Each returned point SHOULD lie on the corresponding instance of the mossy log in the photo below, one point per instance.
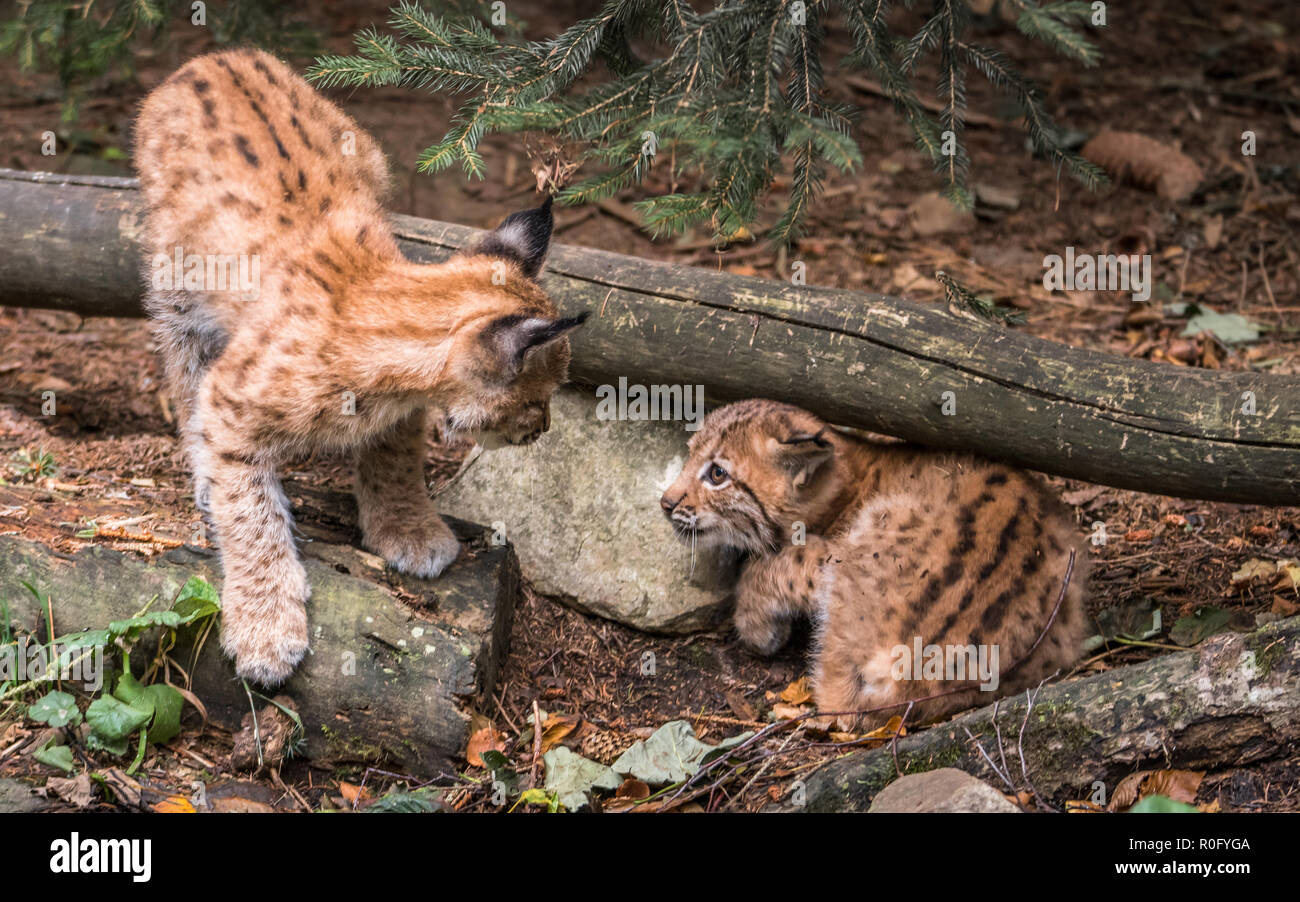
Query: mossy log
(857, 359)
(385, 681)
(1231, 702)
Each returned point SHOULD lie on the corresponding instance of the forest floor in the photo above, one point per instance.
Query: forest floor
(1231, 248)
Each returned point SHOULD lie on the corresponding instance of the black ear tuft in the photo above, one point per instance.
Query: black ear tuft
(803, 454)
(515, 336)
(523, 237)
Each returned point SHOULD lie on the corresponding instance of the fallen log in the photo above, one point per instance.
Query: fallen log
(861, 360)
(395, 664)
(1231, 702)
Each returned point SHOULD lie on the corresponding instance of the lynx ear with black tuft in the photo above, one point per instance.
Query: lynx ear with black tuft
(523, 237)
(803, 454)
(516, 336)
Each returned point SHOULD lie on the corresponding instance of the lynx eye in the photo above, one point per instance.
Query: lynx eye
(715, 475)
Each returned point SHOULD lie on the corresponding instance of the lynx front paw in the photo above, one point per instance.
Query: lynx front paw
(265, 632)
(424, 548)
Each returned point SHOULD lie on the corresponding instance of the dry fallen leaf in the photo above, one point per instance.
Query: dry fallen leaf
(73, 790)
(781, 711)
(353, 794)
(1282, 607)
(174, 805)
(1253, 570)
(1179, 785)
(881, 735)
(556, 727)
(485, 739)
(1082, 806)
(740, 706)
(797, 693)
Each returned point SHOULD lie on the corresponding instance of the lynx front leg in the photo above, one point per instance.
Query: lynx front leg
(265, 591)
(773, 590)
(398, 519)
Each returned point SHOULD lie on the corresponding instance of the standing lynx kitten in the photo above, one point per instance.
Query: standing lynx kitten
(340, 343)
(904, 549)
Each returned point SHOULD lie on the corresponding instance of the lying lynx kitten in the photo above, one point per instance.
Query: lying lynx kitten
(922, 571)
(339, 342)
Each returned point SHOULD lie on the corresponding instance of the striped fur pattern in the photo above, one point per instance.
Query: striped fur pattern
(899, 543)
(343, 344)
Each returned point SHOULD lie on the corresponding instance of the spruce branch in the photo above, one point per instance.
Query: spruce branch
(734, 94)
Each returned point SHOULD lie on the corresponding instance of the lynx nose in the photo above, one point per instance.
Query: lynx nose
(668, 503)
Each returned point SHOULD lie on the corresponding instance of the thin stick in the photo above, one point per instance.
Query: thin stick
(537, 744)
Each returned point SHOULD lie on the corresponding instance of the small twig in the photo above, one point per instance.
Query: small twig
(992, 766)
(537, 744)
(1020, 746)
(766, 764)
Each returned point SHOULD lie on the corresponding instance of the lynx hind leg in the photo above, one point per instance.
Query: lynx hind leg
(398, 519)
(189, 342)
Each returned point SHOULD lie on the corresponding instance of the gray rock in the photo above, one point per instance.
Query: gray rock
(581, 507)
(16, 796)
(946, 789)
(383, 680)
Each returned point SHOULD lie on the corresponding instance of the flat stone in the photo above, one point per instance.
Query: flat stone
(581, 507)
(384, 679)
(946, 789)
(16, 797)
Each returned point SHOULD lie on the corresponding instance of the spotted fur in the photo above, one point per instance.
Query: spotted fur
(898, 543)
(344, 344)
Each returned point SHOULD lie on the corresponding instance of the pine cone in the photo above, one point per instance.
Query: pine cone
(1145, 162)
(605, 746)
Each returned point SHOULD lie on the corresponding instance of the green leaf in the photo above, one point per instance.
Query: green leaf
(57, 756)
(131, 629)
(112, 720)
(1162, 805)
(1229, 328)
(540, 797)
(1137, 618)
(425, 800)
(1205, 622)
(197, 599)
(57, 709)
(670, 755)
(571, 777)
(163, 702)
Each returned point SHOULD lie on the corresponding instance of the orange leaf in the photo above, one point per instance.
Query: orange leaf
(174, 805)
(485, 740)
(353, 794)
(556, 727)
(797, 693)
(881, 735)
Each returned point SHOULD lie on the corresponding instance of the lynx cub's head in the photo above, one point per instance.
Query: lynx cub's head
(507, 364)
(756, 470)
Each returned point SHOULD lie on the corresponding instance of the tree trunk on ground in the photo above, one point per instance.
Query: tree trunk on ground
(859, 360)
(1232, 701)
(385, 680)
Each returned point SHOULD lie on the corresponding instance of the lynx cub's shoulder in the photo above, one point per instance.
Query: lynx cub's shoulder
(288, 321)
(922, 571)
